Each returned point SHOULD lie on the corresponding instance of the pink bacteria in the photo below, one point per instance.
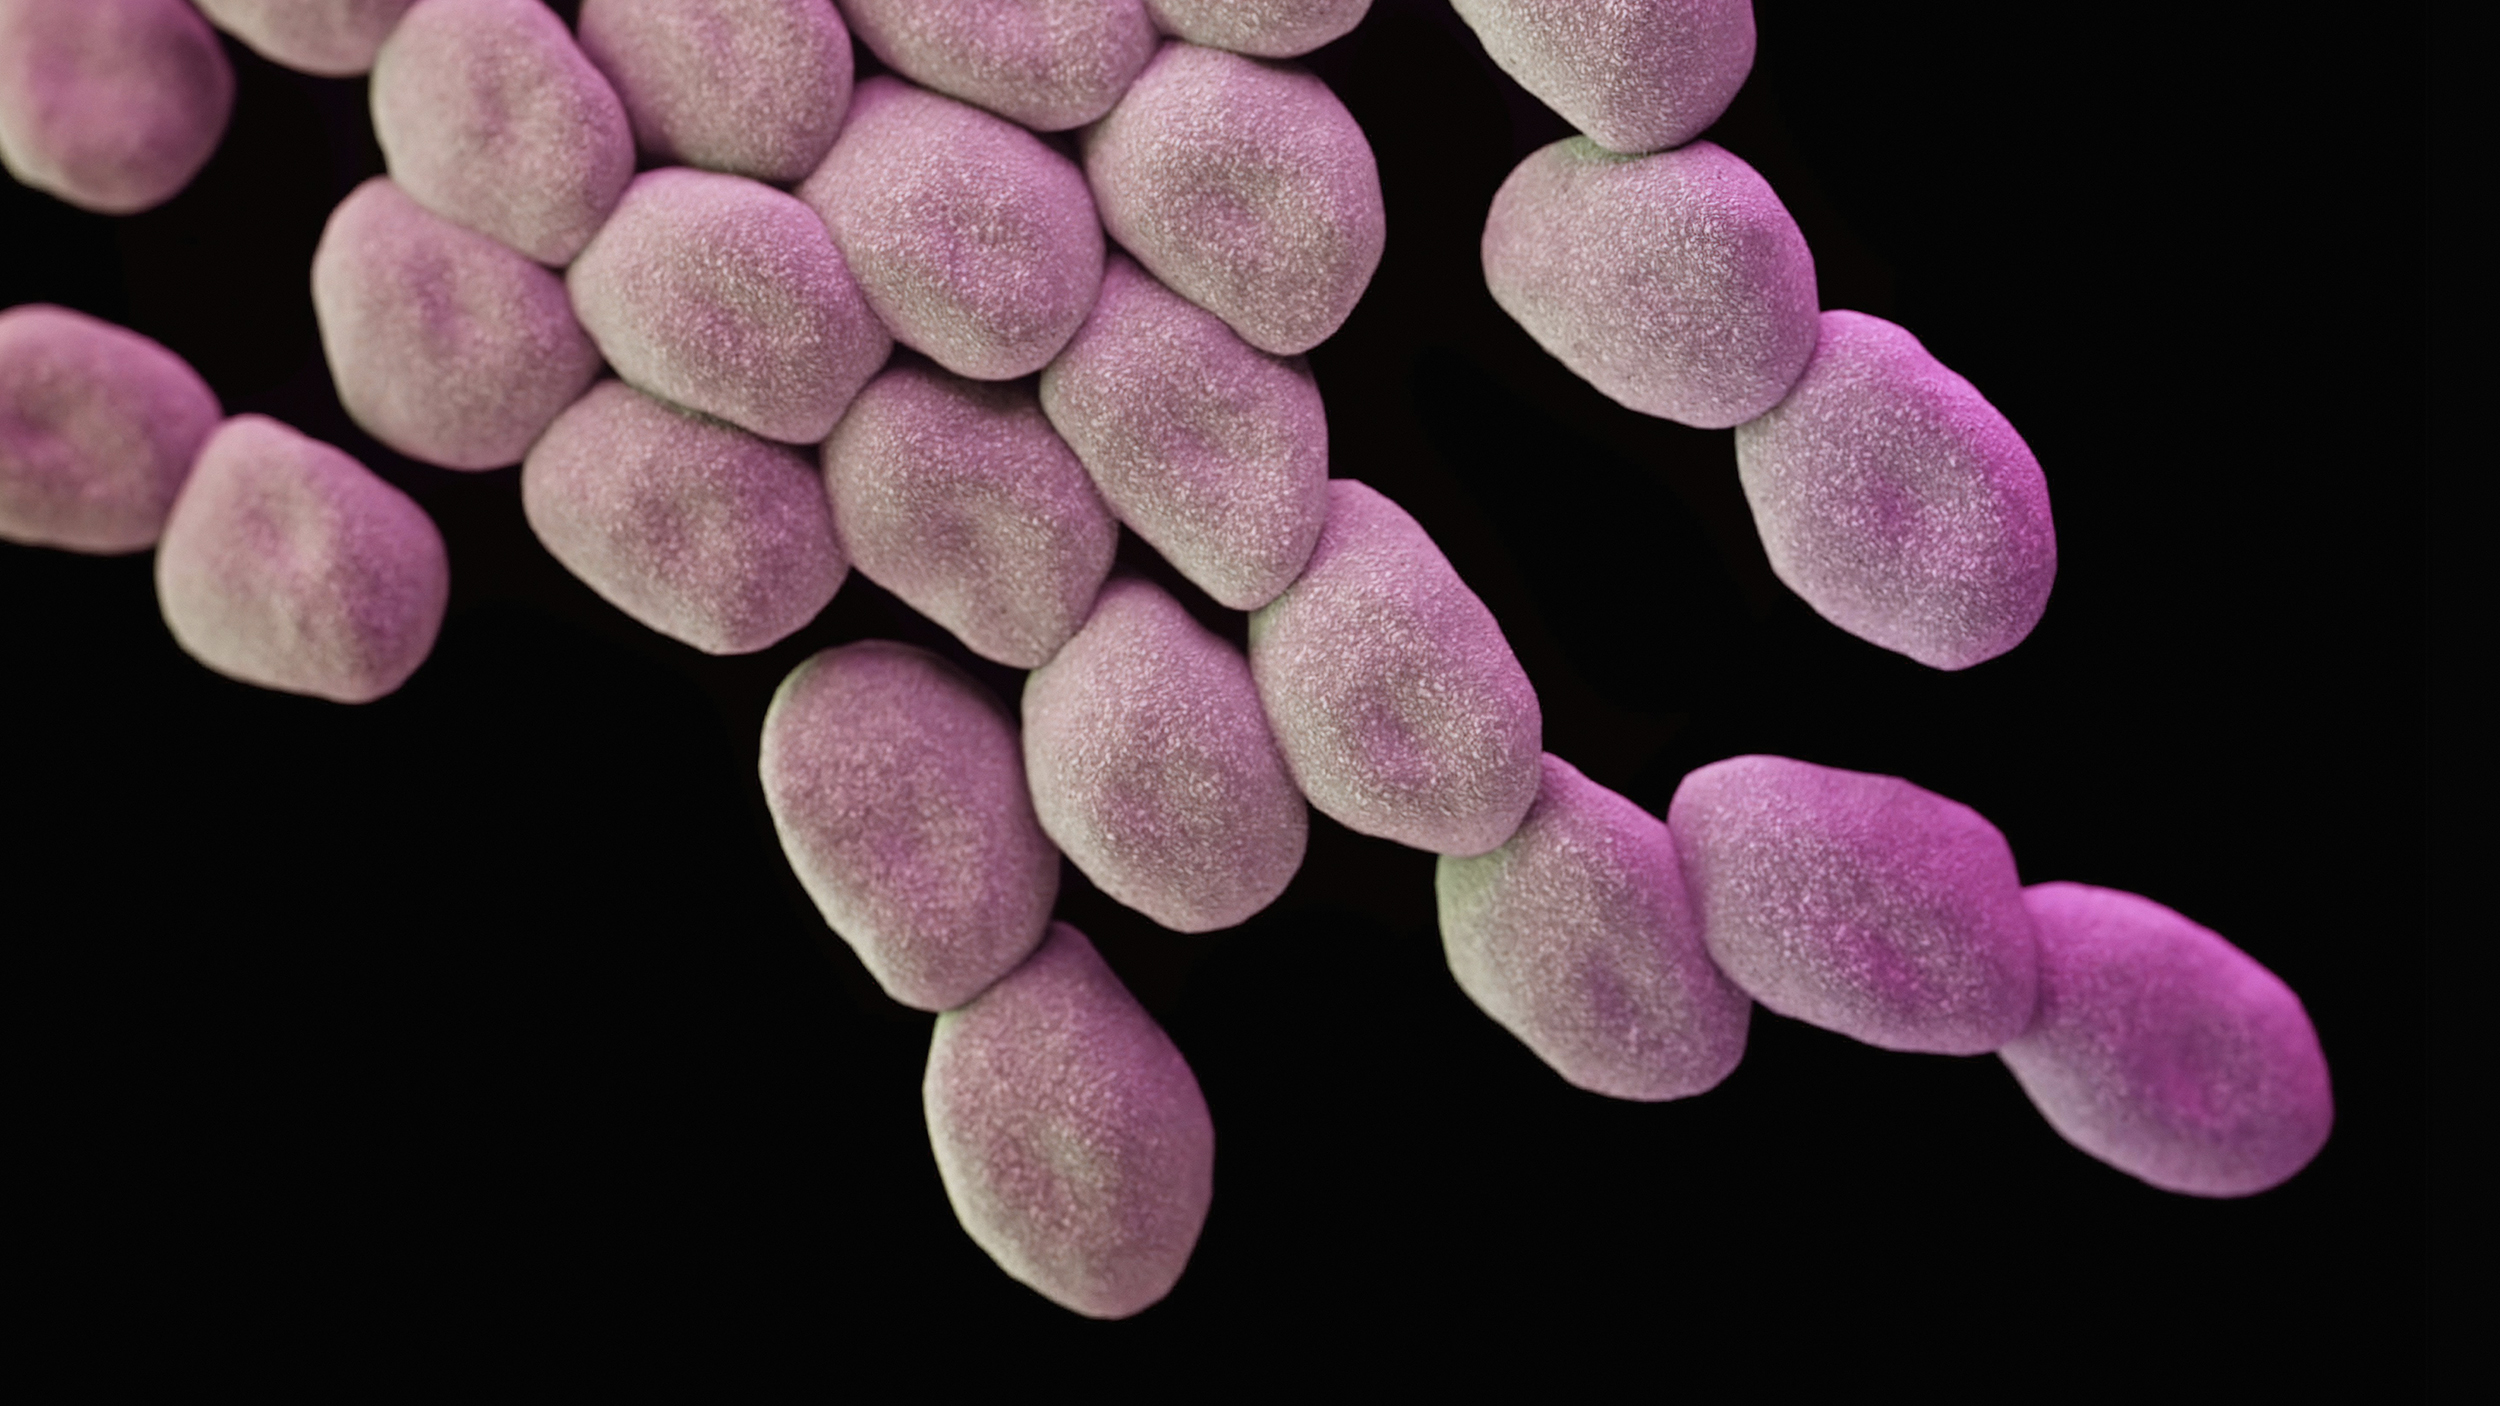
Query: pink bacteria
(1244, 186)
(693, 527)
(445, 345)
(752, 87)
(1576, 935)
(1634, 75)
(2166, 1052)
(896, 787)
(1213, 451)
(1153, 769)
(1397, 703)
(98, 428)
(1675, 283)
(1267, 29)
(111, 105)
(332, 38)
(957, 496)
(1047, 64)
(490, 117)
(727, 296)
(1902, 506)
(1070, 1133)
(1858, 903)
(288, 565)
(976, 243)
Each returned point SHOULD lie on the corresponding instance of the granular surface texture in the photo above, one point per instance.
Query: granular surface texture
(694, 527)
(958, 497)
(1213, 451)
(1858, 903)
(98, 428)
(490, 117)
(332, 38)
(976, 243)
(1577, 937)
(1267, 29)
(897, 789)
(1398, 704)
(2167, 1052)
(753, 87)
(1070, 1134)
(445, 345)
(726, 296)
(1675, 283)
(1047, 64)
(1153, 769)
(1635, 75)
(288, 565)
(1902, 506)
(1247, 188)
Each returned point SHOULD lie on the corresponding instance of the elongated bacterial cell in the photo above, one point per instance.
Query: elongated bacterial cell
(898, 327)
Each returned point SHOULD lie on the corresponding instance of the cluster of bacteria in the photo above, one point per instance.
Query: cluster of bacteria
(954, 327)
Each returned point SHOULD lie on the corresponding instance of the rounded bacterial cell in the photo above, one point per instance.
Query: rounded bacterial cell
(2167, 1052)
(1046, 64)
(288, 565)
(959, 498)
(331, 38)
(1247, 188)
(696, 528)
(726, 296)
(1675, 283)
(1634, 75)
(975, 242)
(1858, 903)
(752, 87)
(1070, 1134)
(1153, 769)
(111, 105)
(897, 789)
(1897, 502)
(1577, 937)
(1214, 452)
(445, 345)
(1396, 700)
(98, 428)
(489, 116)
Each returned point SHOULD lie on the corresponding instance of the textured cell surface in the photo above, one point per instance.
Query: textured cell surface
(896, 787)
(727, 296)
(1577, 937)
(333, 38)
(696, 528)
(98, 428)
(976, 244)
(958, 497)
(1210, 449)
(288, 565)
(1047, 64)
(1858, 903)
(1268, 29)
(445, 345)
(1636, 75)
(1900, 504)
(1153, 769)
(489, 116)
(1247, 188)
(111, 105)
(1396, 701)
(1675, 283)
(753, 87)
(1071, 1137)
(2167, 1052)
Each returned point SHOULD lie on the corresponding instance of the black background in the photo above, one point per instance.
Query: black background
(482, 1034)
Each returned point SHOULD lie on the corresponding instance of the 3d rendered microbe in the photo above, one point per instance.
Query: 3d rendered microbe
(530, 1000)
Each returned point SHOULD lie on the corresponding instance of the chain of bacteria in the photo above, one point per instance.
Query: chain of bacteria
(899, 327)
